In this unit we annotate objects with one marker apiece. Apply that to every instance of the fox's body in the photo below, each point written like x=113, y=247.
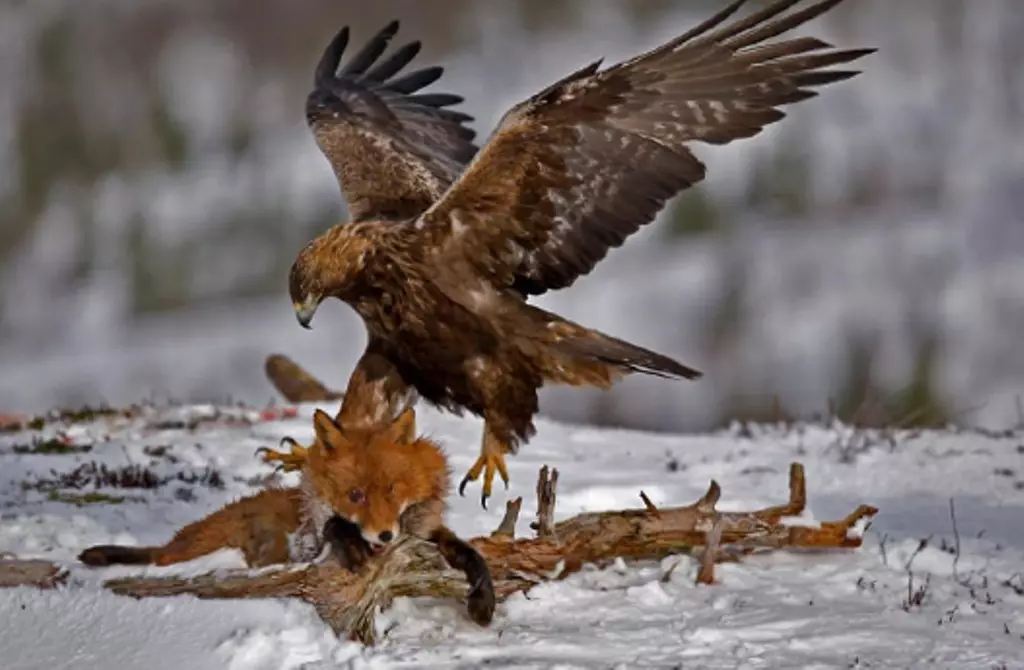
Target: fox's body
x=261, y=526
x=361, y=490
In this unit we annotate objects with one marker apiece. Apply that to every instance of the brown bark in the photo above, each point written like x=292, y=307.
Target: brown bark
x=294, y=383
x=348, y=601
x=31, y=572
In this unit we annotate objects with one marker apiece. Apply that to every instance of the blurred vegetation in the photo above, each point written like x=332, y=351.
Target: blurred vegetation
x=96, y=104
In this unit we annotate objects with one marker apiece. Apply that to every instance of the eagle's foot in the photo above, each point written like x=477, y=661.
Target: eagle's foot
x=286, y=461
x=491, y=461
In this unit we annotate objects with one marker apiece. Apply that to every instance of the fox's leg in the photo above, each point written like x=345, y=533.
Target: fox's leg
x=491, y=461
x=267, y=545
x=376, y=393
x=347, y=543
x=461, y=556
x=285, y=461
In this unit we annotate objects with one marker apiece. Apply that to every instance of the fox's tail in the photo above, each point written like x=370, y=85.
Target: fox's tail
x=114, y=554
x=178, y=550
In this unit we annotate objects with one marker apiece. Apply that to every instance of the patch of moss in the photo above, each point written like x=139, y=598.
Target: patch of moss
x=52, y=446
x=89, y=498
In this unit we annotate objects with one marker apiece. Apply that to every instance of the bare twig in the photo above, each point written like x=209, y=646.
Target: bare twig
x=882, y=540
x=916, y=596
x=956, y=541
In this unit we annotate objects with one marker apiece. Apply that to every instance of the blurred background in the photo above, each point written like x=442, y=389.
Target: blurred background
x=862, y=256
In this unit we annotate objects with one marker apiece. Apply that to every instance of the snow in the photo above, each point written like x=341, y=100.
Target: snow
x=844, y=609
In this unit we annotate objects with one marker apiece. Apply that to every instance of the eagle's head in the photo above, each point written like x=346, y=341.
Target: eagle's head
x=305, y=284
x=328, y=267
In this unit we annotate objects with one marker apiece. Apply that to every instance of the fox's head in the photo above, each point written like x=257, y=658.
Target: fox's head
x=370, y=476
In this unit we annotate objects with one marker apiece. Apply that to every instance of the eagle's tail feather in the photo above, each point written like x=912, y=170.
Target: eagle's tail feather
x=626, y=357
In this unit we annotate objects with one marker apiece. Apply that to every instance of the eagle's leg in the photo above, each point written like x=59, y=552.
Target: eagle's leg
x=285, y=461
x=491, y=461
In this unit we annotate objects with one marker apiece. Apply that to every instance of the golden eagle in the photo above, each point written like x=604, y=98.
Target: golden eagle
x=447, y=242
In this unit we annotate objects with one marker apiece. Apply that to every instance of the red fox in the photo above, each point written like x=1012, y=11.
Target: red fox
x=361, y=489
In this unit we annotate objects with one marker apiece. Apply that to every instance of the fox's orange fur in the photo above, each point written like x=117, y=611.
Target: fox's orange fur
x=259, y=526
x=361, y=489
x=385, y=482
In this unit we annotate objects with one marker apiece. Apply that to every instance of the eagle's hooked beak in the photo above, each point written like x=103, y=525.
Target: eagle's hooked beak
x=305, y=310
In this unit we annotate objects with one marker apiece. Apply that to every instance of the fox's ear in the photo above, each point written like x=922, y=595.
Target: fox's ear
x=327, y=431
x=403, y=429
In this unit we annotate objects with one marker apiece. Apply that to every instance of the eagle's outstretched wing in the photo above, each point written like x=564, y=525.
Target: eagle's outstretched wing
x=394, y=150
x=577, y=168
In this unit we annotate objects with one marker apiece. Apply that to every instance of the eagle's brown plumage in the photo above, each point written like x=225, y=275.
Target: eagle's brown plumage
x=393, y=149
x=440, y=278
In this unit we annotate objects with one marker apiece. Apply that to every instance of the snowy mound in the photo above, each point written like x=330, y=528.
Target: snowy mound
x=135, y=480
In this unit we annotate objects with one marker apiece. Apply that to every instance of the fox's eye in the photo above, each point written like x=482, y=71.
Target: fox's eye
x=356, y=496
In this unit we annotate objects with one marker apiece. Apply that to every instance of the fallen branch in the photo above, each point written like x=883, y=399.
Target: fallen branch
x=294, y=383
x=31, y=572
x=348, y=601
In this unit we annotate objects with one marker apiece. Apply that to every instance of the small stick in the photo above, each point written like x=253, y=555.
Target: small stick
x=546, y=493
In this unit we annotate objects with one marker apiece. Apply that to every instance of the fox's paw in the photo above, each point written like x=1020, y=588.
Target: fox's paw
x=481, y=600
x=286, y=461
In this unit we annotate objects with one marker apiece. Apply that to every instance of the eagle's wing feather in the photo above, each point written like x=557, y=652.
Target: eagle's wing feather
x=393, y=150
x=574, y=170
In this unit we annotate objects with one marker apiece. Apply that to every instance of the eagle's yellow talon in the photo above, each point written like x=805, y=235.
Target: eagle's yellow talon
x=287, y=462
x=490, y=462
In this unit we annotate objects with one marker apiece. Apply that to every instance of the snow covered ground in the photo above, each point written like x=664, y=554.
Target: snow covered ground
x=842, y=610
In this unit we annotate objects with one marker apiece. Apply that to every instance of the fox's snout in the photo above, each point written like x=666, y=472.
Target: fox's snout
x=379, y=539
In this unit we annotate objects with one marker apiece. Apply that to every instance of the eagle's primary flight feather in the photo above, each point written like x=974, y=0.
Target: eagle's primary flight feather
x=446, y=241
